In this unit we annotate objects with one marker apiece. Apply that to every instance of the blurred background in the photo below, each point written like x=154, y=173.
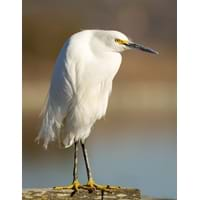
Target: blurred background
x=135, y=144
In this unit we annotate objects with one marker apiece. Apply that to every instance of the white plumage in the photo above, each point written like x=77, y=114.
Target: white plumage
x=81, y=84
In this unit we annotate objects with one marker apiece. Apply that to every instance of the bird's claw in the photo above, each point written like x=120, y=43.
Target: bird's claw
x=92, y=186
x=74, y=186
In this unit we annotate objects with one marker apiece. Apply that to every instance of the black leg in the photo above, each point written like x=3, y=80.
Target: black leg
x=87, y=164
x=75, y=171
x=75, y=184
x=91, y=185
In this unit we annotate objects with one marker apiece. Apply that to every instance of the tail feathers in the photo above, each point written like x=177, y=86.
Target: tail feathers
x=50, y=130
x=69, y=140
x=66, y=143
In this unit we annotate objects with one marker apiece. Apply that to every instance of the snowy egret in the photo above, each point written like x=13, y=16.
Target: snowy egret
x=80, y=88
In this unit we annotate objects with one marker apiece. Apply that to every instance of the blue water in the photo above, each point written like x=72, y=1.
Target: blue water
x=143, y=160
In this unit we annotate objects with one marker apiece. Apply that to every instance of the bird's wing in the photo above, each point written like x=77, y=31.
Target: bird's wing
x=59, y=98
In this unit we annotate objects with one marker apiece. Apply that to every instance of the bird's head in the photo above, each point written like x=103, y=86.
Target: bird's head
x=118, y=42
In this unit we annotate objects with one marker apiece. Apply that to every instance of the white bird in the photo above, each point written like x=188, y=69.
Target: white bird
x=80, y=88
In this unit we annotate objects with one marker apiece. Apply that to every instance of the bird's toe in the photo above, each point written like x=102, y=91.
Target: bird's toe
x=74, y=186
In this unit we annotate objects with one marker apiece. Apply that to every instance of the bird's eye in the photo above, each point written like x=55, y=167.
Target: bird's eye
x=118, y=41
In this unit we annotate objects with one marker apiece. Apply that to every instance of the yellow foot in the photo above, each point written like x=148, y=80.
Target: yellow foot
x=74, y=186
x=91, y=186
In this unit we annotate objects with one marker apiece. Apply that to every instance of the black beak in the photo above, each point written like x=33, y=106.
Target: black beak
x=141, y=47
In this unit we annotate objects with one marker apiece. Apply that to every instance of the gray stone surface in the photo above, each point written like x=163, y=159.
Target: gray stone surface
x=51, y=194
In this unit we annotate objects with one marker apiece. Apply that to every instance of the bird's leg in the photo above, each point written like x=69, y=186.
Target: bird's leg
x=87, y=164
x=91, y=185
x=75, y=184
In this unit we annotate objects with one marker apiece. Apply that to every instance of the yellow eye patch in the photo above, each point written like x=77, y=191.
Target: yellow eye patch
x=119, y=41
